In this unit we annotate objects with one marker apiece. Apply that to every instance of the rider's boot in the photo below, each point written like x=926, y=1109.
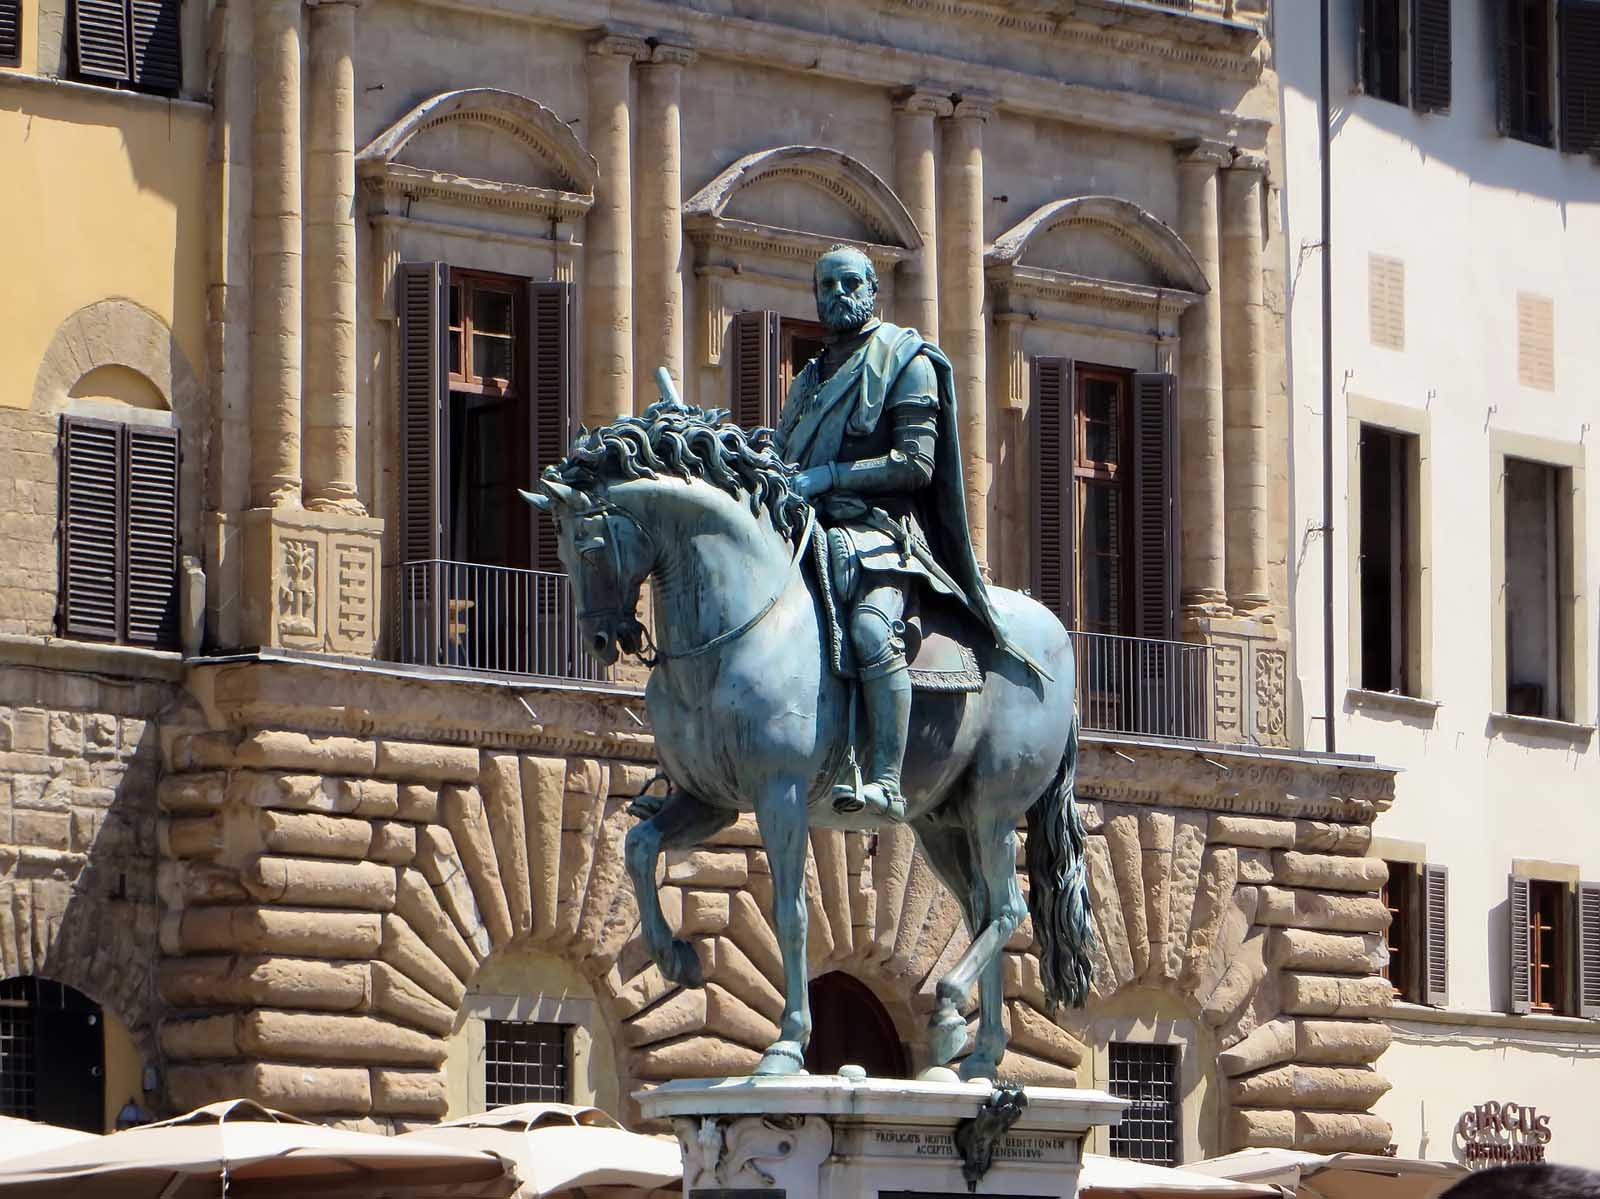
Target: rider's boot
x=888, y=700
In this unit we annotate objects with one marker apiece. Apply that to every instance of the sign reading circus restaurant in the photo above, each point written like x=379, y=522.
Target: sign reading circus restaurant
x=1493, y=1134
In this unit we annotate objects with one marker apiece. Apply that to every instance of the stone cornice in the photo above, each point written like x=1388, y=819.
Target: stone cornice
x=749, y=238
x=1069, y=288
x=664, y=54
x=830, y=56
x=1238, y=779
x=398, y=179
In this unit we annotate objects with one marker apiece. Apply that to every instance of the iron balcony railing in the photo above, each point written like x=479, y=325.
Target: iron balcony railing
x=1143, y=686
x=490, y=618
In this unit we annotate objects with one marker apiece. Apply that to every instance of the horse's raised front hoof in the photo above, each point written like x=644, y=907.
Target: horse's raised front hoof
x=782, y=1057
x=947, y=1035
x=682, y=965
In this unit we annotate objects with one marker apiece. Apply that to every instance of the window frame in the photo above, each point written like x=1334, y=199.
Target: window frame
x=1403, y=454
x=1401, y=895
x=11, y=42
x=1557, y=690
x=791, y=331
x=1517, y=122
x=135, y=76
x=562, y=1030
x=1115, y=475
x=1368, y=52
x=1116, y=1141
x=1553, y=896
x=462, y=285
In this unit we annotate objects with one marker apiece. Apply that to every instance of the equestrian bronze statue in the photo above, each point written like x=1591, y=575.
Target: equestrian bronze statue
x=818, y=606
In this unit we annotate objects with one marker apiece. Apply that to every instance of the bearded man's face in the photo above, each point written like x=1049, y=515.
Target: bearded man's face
x=846, y=292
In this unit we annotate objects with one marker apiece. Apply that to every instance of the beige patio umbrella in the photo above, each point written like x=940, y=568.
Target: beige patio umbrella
x=563, y=1149
x=262, y=1154
x=1336, y=1175
x=1119, y=1178
x=18, y=1137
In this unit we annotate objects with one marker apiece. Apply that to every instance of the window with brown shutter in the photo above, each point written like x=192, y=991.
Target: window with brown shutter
x=10, y=33
x=1579, y=33
x=1588, y=950
x=550, y=425
x=1399, y=896
x=755, y=382
x=1053, y=423
x=1430, y=55
x=119, y=532
x=1155, y=506
x=1381, y=49
x=424, y=420
x=129, y=43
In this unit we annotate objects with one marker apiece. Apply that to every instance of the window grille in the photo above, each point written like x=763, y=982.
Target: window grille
x=17, y=1096
x=1148, y=1075
x=524, y=1062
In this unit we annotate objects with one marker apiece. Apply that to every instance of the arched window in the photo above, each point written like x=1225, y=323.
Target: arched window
x=850, y=1027
x=52, y=1054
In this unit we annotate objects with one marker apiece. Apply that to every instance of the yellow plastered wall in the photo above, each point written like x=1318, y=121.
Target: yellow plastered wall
x=104, y=196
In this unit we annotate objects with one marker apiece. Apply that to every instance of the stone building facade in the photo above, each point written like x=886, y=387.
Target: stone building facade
x=366, y=823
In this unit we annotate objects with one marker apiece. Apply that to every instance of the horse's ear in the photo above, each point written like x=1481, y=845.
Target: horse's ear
x=542, y=502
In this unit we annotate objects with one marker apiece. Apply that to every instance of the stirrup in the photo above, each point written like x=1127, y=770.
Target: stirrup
x=848, y=800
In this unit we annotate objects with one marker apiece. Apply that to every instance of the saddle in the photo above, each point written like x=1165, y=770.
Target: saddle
x=938, y=629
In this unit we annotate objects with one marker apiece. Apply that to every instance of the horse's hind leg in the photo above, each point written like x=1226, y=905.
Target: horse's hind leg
x=948, y=852
x=993, y=846
x=680, y=822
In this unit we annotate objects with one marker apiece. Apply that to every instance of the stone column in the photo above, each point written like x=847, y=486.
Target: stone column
x=961, y=300
x=330, y=452
x=275, y=233
x=917, y=287
x=660, y=274
x=608, y=251
x=1200, y=382
x=1244, y=393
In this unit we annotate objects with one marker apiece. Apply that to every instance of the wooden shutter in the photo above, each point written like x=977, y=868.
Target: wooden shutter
x=1155, y=506
x=10, y=33
x=1434, y=981
x=755, y=370
x=1521, y=974
x=424, y=413
x=550, y=364
x=157, y=55
x=1508, y=65
x=1579, y=38
x=151, y=542
x=100, y=39
x=91, y=598
x=1587, y=957
x=1055, y=522
x=1430, y=55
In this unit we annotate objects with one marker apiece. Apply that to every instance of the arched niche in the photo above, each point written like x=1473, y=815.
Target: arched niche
x=851, y=1026
x=1088, y=262
x=759, y=226
x=117, y=360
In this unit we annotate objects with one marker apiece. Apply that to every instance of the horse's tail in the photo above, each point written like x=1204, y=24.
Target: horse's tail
x=1058, y=887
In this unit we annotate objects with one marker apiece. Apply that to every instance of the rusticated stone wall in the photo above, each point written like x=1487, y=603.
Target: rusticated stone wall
x=344, y=849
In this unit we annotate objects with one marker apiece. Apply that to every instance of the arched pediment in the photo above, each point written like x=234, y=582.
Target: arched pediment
x=1131, y=228
x=748, y=197
x=485, y=146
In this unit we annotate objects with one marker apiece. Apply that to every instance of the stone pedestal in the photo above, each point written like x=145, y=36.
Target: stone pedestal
x=830, y=1137
x=311, y=580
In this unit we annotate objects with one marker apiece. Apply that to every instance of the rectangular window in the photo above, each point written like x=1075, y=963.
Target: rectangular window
x=1538, y=633
x=1526, y=70
x=525, y=1062
x=128, y=43
x=52, y=1054
x=1580, y=76
x=798, y=343
x=1102, y=470
x=119, y=532
x=1383, y=49
x=1400, y=896
x=1390, y=622
x=1147, y=1075
x=1417, y=898
x=1547, y=938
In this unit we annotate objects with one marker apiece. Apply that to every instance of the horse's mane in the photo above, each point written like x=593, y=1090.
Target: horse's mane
x=680, y=439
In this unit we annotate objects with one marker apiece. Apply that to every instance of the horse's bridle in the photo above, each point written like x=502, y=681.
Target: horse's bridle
x=649, y=653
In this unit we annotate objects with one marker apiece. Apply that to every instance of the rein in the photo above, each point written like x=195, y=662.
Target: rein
x=651, y=654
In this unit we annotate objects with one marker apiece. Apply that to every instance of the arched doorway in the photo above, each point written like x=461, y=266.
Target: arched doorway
x=52, y=1054
x=850, y=1027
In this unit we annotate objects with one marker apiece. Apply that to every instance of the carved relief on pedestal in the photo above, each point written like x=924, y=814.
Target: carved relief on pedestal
x=1270, y=704
x=353, y=616
x=296, y=587
x=1228, y=679
x=753, y=1151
